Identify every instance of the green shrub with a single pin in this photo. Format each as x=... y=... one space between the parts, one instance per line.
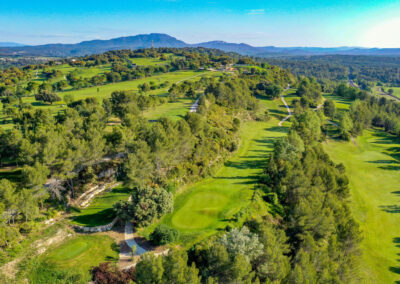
x=163 y=235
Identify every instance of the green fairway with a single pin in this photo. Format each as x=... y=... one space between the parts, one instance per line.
x=340 y=103
x=174 y=111
x=100 y=211
x=206 y=206
x=81 y=253
x=396 y=91
x=373 y=169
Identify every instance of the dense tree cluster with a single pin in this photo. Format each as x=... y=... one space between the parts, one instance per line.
x=310 y=193
x=367 y=111
x=339 y=67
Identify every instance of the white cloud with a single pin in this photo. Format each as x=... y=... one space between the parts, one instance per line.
x=256 y=12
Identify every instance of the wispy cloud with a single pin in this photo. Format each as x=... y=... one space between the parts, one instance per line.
x=256 y=12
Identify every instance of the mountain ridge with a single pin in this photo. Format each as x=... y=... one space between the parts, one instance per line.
x=165 y=40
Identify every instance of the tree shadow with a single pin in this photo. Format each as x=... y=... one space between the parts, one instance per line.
x=390 y=208
x=279 y=129
x=394 y=269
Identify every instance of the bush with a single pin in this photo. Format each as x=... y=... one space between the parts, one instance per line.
x=163 y=235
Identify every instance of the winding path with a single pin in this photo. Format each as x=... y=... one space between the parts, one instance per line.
x=287 y=108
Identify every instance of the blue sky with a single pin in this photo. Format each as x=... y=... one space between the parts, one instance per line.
x=261 y=23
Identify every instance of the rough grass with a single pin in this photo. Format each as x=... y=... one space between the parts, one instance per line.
x=373 y=169
x=207 y=206
x=100 y=211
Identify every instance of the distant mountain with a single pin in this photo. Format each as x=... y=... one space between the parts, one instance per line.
x=10 y=44
x=164 y=40
x=96 y=46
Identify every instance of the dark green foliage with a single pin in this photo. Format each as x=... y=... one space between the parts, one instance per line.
x=147 y=205
x=313 y=191
x=163 y=235
x=310 y=91
x=172 y=268
x=270 y=90
x=329 y=108
x=47 y=97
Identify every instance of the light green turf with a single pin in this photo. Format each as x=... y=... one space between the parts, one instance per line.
x=174 y=111
x=83 y=252
x=396 y=91
x=207 y=205
x=373 y=169
x=100 y=210
x=340 y=103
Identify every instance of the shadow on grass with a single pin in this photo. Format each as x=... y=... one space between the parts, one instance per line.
x=393 y=269
x=387 y=164
x=390 y=208
x=97 y=219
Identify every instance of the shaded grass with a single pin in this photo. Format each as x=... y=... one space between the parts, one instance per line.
x=372 y=167
x=100 y=211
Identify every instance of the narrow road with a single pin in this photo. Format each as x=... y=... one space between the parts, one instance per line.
x=290 y=113
x=287 y=107
x=130 y=239
x=194 y=106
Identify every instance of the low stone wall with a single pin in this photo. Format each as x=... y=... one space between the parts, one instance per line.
x=102 y=228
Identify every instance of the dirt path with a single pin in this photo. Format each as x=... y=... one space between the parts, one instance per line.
x=287 y=108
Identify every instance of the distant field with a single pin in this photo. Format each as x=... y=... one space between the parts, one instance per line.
x=100 y=211
x=373 y=169
x=205 y=206
x=105 y=91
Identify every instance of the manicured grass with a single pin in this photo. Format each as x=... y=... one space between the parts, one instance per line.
x=100 y=211
x=174 y=111
x=341 y=104
x=204 y=207
x=396 y=91
x=373 y=169
x=81 y=253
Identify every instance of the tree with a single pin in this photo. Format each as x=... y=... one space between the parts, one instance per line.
x=390 y=91
x=149 y=270
x=107 y=273
x=69 y=98
x=242 y=242
x=329 y=108
x=147 y=205
x=47 y=97
x=345 y=126
x=163 y=235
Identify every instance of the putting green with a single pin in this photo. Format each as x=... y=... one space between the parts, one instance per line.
x=200 y=211
x=373 y=169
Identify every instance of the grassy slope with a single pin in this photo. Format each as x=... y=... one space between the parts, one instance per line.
x=372 y=167
x=100 y=211
x=204 y=207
